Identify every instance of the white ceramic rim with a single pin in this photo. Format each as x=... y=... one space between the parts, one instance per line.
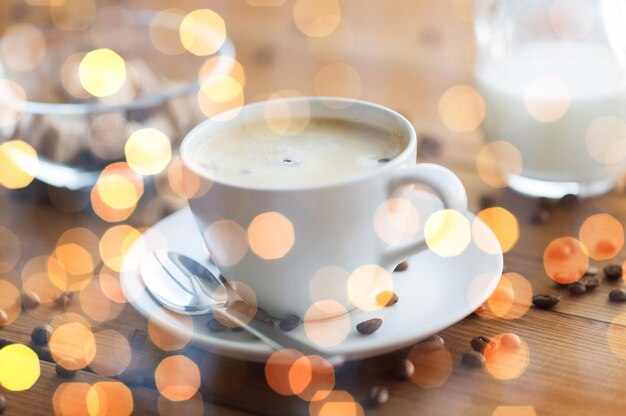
x=395 y=163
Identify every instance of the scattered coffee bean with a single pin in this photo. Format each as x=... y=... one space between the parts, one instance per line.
x=41 y=334
x=613 y=271
x=384 y=160
x=510 y=341
x=215 y=326
x=386 y=298
x=480 y=310
x=546 y=301
x=30 y=300
x=403 y=370
x=591 y=283
x=617 y=295
x=568 y=201
x=290 y=323
x=433 y=343
x=3 y=403
x=577 y=288
x=4 y=318
x=539 y=216
x=64 y=299
x=62 y=369
x=428 y=146
x=473 y=359
x=401 y=267
x=481 y=342
x=370 y=326
x=261 y=315
x=486 y=201
x=592 y=271
x=133 y=377
x=137 y=338
x=377 y=395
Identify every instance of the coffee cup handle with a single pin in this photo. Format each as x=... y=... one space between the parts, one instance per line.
x=444 y=183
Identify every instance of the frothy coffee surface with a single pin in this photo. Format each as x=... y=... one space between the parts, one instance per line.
x=325 y=151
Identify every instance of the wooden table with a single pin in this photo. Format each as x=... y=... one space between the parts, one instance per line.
x=406 y=53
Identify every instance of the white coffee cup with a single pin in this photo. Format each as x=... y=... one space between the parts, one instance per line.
x=331 y=225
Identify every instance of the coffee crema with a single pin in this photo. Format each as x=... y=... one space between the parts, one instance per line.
x=325 y=151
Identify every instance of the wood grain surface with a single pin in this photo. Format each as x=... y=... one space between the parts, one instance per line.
x=407 y=53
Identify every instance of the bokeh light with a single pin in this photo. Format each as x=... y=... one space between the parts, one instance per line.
x=512 y=297
x=177 y=378
x=23 y=47
x=37 y=278
x=514 y=411
x=572 y=19
x=70 y=399
x=165 y=338
x=286 y=118
x=277 y=370
x=605 y=139
x=19 y=367
x=602 y=235
x=102 y=72
x=229 y=242
x=109 y=398
x=337 y=402
x=447 y=232
x=96 y=305
x=316 y=18
x=117 y=192
x=365 y=283
x=191 y=407
x=497 y=161
x=9 y=249
x=396 y=221
x=505 y=362
x=565 y=260
x=221 y=97
x=432 y=366
x=461 y=108
x=10 y=301
x=338 y=79
x=148 y=151
x=12 y=103
x=546 y=98
x=327 y=323
x=215 y=65
x=334 y=46
x=72 y=15
x=75 y=343
x=162 y=30
x=329 y=283
x=271 y=235
x=115 y=243
x=111 y=286
x=202 y=32
x=18 y=164
x=312 y=378
x=504 y=226
x=184 y=182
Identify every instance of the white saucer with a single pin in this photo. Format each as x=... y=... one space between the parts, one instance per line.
x=435 y=292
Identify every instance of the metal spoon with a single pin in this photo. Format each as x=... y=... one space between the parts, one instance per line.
x=183 y=285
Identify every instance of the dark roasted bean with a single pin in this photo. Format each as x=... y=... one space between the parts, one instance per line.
x=30 y=300
x=480 y=310
x=137 y=338
x=428 y=146
x=481 y=342
x=403 y=370
x=41 y=334
x=486 y=201
x=617 y=295
x=473 y=359
x=401 y=267
x=377 y=395
x=568 y=201
x=215 y=326
x=432 y=343
x=386 y=298
x=510 y=341
x=613 y=271
x=546 y=301
x=261 y=315
x=384 y=160
x=290 y=323
x=539 y=216
x=577 y=288
x=591 y=283
x=4 y=318
x=64 y=299
x=62 y=369
x=370 y=326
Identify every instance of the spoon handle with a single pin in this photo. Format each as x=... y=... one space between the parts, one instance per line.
x=278 y=340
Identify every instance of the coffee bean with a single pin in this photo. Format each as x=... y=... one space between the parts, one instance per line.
x=510 y=341
x=617 y=295
x=4 y=318
x=62 y=369
x=64 y=299
x=370 y=326
x=137 y=338
x=386 y=298
x=401 y=267
x=377 y=395
x=481 y=342
x=480 y=310
x=577 y=288
x=290 y=323
x=384 y=160
x=569 y=201
x=433 y=343
x=591 y=283
x=30 y=300
x=591 y=271
x=486 y=201
x=261 y=315
x=546 y=301
x=428 y=146
x=613 y=271
x=133 y=377
x=215 y=326
x=539 y=216
x=403 y=370
x=473 y=359
x=41 y=334
x=3 y=403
